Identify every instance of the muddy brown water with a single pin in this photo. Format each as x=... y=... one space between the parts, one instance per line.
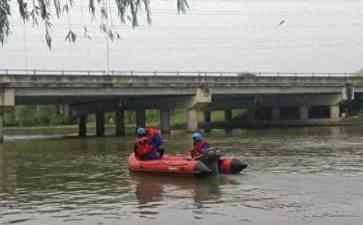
x=295 y=175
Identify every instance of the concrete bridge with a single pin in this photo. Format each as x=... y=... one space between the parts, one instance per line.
x=268 y=98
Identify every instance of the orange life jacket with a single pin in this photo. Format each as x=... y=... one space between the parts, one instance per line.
x=151 y=132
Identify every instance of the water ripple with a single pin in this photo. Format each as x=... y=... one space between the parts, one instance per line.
x=306 y=174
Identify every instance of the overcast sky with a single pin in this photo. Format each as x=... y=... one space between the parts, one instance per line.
x=223 y=35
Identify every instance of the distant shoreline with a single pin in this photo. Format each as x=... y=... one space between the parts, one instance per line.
x=72 y=130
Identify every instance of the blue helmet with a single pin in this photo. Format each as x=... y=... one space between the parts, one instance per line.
x=140 y=131
x=197 y=136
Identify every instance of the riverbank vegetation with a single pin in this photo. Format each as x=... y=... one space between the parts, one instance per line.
x=56 y=116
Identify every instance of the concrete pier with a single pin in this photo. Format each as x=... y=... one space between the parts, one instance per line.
x=334 y=112
x=208 y=121
x=7 y=103
x=66 y=110
x=228 y=119
x=120 y=122
x=1 y=127
x=275 y=113
x=100 y=124
x=2 y=166
x=192 y=120
x=228 y=115
x=82 y=125
x=165 y=121
x=304 y=112
x=251 y=114
x=140 y=118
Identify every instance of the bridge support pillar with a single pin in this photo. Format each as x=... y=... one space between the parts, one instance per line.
x=100 y=124
x=334 y=112
x=208 y=121
x=251 y=115
x=228 y=120
x=304 y=112
x=120 y=122
x=66 y=110
x=82 y=125
x=192 y=118
x=165 y=121
x=275 y=113
x=7 y=103
x=3 y=173
x=140 y=118
x=1 y=127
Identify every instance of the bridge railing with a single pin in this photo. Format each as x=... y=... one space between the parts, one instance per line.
x=168 y=73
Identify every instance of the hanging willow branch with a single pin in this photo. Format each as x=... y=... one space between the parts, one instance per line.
x=182 y=6
x=38 y=11
x=4 y=20
x=23 y=10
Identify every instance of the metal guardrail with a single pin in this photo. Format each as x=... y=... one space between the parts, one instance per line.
x=167 y=73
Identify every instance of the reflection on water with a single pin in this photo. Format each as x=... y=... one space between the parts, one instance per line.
x=7 y=172
x=154 y=188
x=295 y=175
x=153 y=191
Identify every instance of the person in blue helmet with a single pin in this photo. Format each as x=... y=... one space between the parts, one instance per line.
x=148 y=144
x=201 y=151
x=200 y=147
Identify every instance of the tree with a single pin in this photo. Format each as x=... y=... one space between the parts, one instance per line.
x=42 y=10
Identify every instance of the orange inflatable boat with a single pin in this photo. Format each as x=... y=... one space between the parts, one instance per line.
x=181 y=165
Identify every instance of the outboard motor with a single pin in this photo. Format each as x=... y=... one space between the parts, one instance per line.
x=211 y=160
x=231 y=166
x=237 y=166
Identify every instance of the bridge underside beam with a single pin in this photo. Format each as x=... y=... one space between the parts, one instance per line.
x=296 y=100
x=271 y=90
x=217 y=101
x=87 y=105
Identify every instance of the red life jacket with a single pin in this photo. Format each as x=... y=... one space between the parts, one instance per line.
x=142 y=147
x=198 y=148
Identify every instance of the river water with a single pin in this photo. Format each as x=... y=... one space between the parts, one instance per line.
x=295 y=176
